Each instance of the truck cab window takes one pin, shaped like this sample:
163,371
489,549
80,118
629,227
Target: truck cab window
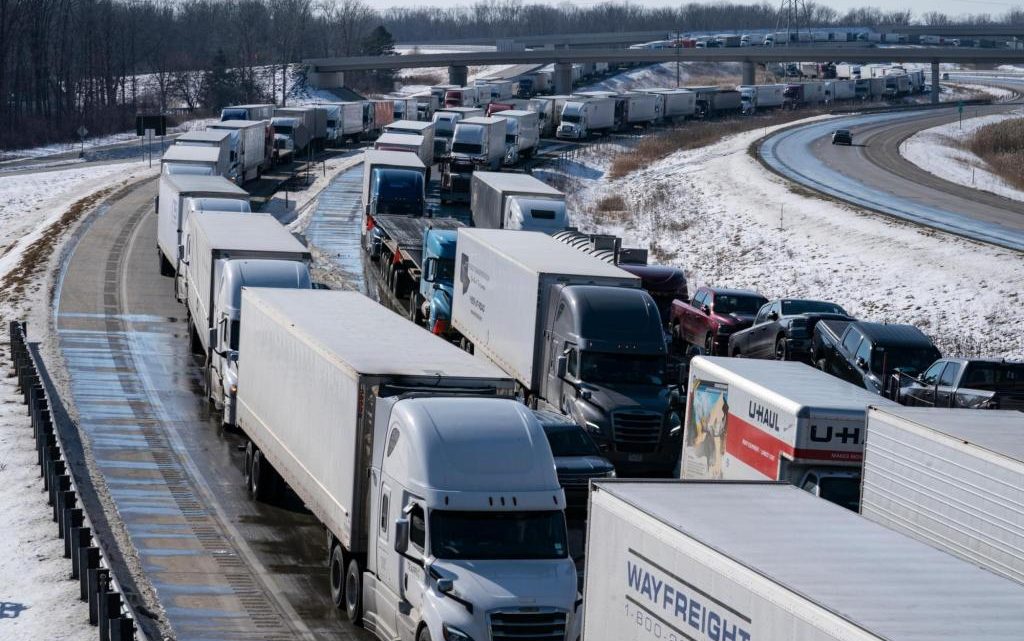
864,351
931,377
762,314
949,375
385,500
699,299
811,484
417,528
572,365
851,341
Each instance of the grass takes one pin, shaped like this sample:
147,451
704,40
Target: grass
1001,145
694,134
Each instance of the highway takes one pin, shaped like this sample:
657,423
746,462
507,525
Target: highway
872,174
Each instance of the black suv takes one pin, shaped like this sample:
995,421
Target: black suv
577,458
842,137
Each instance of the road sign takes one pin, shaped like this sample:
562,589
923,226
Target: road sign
158,123
82,131
960,106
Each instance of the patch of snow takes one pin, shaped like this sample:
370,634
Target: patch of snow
717,213
664,75
938,151
39,601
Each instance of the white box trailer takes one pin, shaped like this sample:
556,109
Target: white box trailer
412,143
177,198
755,97
951,478
766,562
639,108
416,128
248,112
847,71
212,238
252,153
348,122
840,89
516,201
749,419
197,161
522,133
516,269
679,103
206,138
315,124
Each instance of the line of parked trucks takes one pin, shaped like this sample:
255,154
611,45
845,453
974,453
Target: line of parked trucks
432,477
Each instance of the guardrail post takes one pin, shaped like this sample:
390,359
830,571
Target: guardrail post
81,537
110,608
99,582
52,467
61,484
88,559
47,443
66,502
73,519
122,629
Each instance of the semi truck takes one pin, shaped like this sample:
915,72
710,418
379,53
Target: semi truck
676,103
754,97
465,97
585,117
346,123
522,134
417,128
314,121
248,112
218,138
224,252
404,108
711,101
516,201
439,495
478,144
949,478
634,109
291,137
252,156
549,112
749,419
394,182
197,161
840,90
805,94
577,334
411,143
178,198
766,562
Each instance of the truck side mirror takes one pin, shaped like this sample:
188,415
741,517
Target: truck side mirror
706,309
861,363
428,269
773,315
402,536
444,586
561,365
213,336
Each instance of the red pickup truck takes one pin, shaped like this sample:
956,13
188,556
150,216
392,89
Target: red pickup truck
712,316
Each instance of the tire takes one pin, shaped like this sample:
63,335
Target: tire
194,345
423,635
336,573
247,466
709,344
261,478
166,268
781,349
354,592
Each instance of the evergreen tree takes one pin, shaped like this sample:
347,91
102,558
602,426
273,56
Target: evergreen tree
221,83
379,42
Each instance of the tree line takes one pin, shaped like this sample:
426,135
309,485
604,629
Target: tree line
66,63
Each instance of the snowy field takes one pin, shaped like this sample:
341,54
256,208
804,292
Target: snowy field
938,151
718,214
664,75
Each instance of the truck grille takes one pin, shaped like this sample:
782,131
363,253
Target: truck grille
540,624
575,480
636,431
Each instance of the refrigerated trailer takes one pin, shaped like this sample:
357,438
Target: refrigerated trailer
951,478
438,492
181,195
750,419
253,157
767,562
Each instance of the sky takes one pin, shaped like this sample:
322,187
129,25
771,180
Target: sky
951,7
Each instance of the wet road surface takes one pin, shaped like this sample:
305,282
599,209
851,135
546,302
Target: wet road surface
224,568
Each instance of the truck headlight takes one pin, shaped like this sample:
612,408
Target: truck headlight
675,422
454,634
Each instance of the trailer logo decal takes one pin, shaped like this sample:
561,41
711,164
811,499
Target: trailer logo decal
464,273
684,608
763,415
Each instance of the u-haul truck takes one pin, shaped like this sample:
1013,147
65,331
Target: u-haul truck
759,420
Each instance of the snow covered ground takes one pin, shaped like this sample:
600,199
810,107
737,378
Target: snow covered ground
664,75
717,213
938,151
37,598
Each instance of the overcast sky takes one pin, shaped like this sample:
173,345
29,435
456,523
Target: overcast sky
952,7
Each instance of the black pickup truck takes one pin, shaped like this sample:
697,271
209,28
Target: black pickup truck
868,354
783,328
965,383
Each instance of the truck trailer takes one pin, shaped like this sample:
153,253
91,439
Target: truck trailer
587,116
677,103
766,562
197,161
222,253
178,197
248,112
252,155
412,143
950,478
417,128
516,201
444,515
754,97
522,135
635,109
749,419
577,334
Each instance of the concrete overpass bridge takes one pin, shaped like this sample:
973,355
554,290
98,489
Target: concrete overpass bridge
326,72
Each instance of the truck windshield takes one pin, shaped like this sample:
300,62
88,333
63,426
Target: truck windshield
791,307
916,359
445,270
283,129
730,304
994,376
466,147
497,535
570,440
570,118
841,490
398,191
621,369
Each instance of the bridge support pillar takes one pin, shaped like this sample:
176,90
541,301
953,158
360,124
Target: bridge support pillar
563,78
935,82
749,73
458,75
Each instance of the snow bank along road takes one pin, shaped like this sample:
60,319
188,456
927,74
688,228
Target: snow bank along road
873,174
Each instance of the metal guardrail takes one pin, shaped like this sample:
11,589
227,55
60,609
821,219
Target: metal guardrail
98,586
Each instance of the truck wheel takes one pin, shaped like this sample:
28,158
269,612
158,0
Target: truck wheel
166,268
709,344
424,634
261,478
247,466
781,349
337,572
354,592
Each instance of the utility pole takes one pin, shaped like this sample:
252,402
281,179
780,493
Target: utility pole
679,45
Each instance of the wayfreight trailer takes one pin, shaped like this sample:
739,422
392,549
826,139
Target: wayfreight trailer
767,562
437,490
951,478
750,419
